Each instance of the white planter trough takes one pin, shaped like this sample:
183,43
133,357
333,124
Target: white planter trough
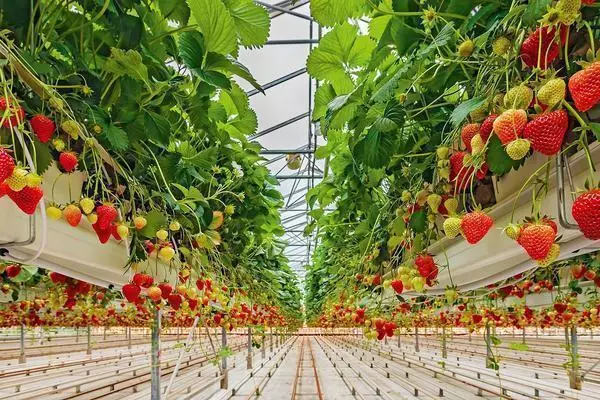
496,257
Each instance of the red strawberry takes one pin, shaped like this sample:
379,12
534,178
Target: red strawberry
68,161
460,175
15,115
530,49
477,318
398,286
131,292
584,86
55,277
537,239
166,289
548,221
43,127
175,301
510,125
475,225
482,171
467,133
547,131
4,189
107,214
426,266
586,211
487,127
72,214
588,2
12,270
560,307
103,234
27,199
200,284
7,165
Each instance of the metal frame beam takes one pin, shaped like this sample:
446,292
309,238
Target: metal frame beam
280,125
277,81
283,177
285,10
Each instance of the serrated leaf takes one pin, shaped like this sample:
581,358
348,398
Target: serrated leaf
127,63
155,220
116,137
157,127
330,12
216,24
535,10
375,149
43,157
596,129
461,112
176,10
252,23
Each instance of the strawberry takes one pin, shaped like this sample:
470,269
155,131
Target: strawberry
551,256
586,212
510,125
518,148
68,161
452,226
518,97
175,301
548,221
467,133
475,225
426,266
547,132
131,292
72,214
103,234
530,49
487,127
552,92
27,199
107,214
7,165
584,86
459,173
166,289
154,293
398,286
12,270
4,189
43,127
56,278
15,114
71,128
537,239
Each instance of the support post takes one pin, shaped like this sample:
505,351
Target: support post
188,342
417,339
249,358
399,338
41,335
155,363
22,357
224,371
523,340
271,340
129,337
88,349
263,347
488,345
574,373
104,335
77,335
444,352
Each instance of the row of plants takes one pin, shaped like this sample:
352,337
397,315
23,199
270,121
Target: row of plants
49,299
135,105
425,111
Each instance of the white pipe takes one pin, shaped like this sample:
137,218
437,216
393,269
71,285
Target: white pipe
187,343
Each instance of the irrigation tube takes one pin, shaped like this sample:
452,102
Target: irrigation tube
187,343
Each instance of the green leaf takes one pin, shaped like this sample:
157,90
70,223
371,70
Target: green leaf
191,50
154,221
535,10
252,23
462,111
375,149
216,24
339,50
495,340
596,129
331,12
205,159
127,63
176,10
519,346
418,221
497,158
43,157
157,127
117,137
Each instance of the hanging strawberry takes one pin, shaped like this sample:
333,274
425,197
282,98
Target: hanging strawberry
43,127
